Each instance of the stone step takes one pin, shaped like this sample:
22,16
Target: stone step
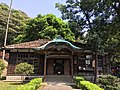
21,78
59,78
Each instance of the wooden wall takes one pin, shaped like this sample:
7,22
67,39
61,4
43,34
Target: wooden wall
80,66
31,58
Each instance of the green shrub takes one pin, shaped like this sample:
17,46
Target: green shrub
32,85
2,67
24,69
3,78
86,85
77,80
36,82
109,82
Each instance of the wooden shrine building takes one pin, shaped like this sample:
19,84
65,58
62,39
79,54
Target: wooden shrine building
56,57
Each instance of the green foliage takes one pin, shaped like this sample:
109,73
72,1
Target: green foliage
78,78
32,85
109,82
2,66
3,78
16,23
77,81
24,69
99,18
115,62
45,27
86,85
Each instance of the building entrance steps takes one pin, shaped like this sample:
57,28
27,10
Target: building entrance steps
59,78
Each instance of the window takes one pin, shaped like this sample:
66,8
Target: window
81,56
100,60
19,61
89,56
30,61
29,58
87,62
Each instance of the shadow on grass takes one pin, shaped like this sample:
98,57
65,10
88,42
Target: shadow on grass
18,83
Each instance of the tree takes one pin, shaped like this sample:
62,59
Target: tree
45,27
2,67
100,18
24,69
16,23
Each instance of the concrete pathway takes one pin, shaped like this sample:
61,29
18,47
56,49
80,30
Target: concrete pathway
56,86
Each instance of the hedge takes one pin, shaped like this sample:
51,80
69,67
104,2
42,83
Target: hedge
77,80
109,82
32,85
86,85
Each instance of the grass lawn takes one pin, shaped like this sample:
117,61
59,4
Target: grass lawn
9,85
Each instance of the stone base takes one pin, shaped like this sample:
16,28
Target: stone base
21,78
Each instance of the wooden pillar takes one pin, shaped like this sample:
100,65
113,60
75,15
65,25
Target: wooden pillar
103,64
96,67
45,61
107,64
72,65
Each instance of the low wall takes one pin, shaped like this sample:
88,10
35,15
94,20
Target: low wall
21,78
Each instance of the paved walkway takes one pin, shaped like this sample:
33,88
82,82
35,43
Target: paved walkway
56,86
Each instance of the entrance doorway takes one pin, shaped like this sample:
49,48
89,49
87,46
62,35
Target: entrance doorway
58,67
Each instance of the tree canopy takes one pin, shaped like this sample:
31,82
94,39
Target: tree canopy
99,18
45,27
16,23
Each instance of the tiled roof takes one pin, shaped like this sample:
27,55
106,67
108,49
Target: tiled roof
57,41
31,44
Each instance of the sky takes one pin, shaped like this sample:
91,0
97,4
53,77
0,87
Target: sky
34,7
